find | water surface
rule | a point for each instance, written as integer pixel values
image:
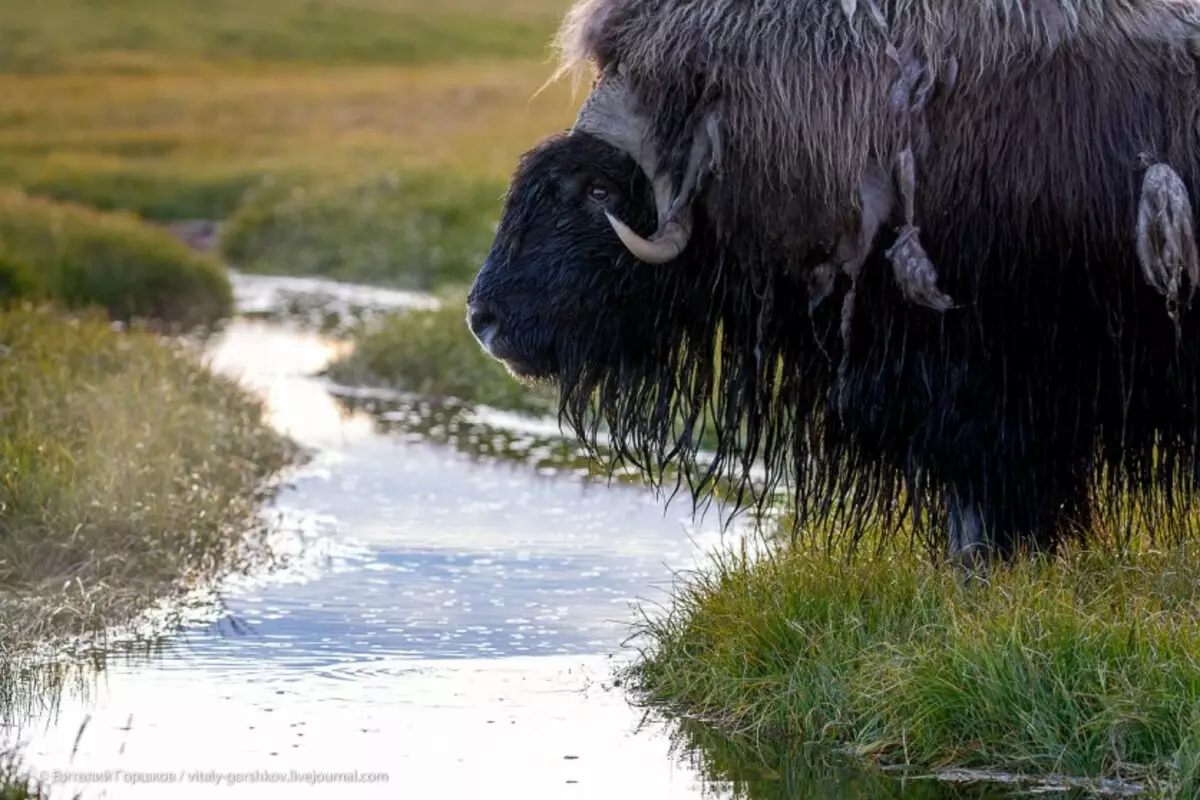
(458, 590)
(449, 619)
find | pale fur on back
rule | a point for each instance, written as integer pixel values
(806, 86)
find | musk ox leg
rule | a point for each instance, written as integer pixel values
(968, 544)
(1040, 505)
(1166, 242)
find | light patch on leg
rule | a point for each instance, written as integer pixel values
(967, 540)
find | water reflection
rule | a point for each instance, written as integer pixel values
(742, 770)
(536, 444)
(330, 307)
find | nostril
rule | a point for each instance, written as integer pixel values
(480, 318)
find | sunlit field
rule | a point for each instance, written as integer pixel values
(203, 111)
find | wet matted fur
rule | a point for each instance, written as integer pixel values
(1043, 383)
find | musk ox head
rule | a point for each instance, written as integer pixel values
(579, 274)
(558, 284)
(607, 278)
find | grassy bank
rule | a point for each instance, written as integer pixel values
(1083, 666)
(127, 472)
(362, 139)
(79, 257)
(433, 353)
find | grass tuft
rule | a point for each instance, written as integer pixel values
(80, 257)
(127, 472)
(1083, 666)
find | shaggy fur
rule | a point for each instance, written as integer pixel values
(994, 349)
(808, 91)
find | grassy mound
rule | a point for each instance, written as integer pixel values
(127, 470)
(79, 257)
(1084, 666)
(433, 353)
(414, 231)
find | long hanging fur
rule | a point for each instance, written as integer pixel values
(1042, 377)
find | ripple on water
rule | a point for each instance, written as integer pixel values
(452, 589)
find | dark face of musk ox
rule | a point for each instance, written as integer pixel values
(559, 291)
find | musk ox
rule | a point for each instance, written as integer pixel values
(914, 261)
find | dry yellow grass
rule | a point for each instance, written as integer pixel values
(223, 93)
(469, 117)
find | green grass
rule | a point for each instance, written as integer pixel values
(415, 231)
(433, 353)
(79, 257)
(128, 472)
(1084, 666)
(15, 784)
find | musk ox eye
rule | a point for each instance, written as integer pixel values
(598, 194)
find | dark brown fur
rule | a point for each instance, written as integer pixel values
(1050, 378)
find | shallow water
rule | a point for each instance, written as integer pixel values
(458, 592)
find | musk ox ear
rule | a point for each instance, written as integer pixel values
(1166, 241)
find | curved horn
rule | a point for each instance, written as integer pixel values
(663, 246)
(610, 113)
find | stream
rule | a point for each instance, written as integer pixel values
(458, 590)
